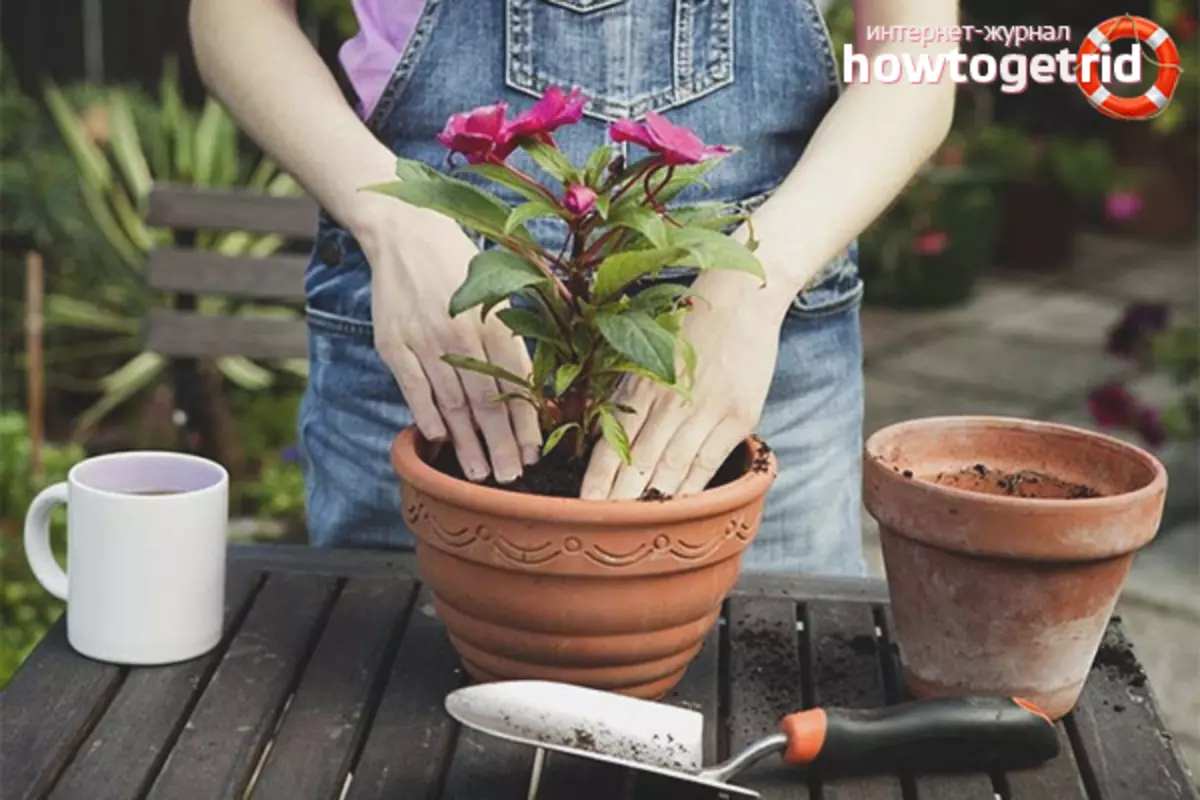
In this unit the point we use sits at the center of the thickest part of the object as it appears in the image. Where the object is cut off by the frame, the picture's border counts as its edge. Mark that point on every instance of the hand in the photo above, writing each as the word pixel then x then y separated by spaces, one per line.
pixel 418 259
pixel 677 446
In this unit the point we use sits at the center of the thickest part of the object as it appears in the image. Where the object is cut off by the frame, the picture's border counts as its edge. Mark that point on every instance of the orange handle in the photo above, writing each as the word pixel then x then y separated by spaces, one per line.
pixel 805 731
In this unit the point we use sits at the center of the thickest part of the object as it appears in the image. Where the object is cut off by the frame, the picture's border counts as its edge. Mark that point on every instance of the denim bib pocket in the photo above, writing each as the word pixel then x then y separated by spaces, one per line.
pixel 838 289
pixel 627 56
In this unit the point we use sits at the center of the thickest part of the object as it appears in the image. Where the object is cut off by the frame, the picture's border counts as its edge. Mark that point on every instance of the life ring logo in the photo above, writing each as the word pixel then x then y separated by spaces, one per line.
pixel 1095 49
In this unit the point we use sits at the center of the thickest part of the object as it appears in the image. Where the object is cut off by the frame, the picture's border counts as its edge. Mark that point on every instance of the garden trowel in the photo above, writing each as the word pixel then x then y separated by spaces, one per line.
pixel 980 734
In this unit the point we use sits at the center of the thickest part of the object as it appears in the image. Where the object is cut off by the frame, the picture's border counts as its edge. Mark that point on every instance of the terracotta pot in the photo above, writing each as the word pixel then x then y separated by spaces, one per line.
pixel 996 594
pixel 612 595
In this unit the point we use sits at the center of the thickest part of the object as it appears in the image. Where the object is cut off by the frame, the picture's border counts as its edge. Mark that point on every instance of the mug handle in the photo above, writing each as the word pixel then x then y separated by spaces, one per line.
pixel 37 540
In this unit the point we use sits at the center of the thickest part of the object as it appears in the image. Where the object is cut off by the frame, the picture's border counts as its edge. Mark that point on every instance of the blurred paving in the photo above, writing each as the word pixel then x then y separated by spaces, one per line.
pixel 1033 346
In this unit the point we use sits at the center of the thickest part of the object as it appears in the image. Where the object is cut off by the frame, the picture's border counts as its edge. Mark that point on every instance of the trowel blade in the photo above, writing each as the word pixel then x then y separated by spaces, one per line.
pixel 639 734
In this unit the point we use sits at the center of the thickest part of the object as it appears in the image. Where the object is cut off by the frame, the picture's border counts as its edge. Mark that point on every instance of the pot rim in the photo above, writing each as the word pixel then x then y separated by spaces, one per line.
pixel 616 513
pixel 890 433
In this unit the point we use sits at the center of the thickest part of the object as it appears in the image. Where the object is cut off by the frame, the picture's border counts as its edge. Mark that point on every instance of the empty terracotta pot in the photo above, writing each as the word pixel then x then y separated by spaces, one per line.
pixel 613 595
pixel 1006 542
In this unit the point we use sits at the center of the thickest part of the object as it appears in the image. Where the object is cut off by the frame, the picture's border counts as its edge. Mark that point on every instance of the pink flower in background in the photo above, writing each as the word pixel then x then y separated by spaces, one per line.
pixel 1122 206
pixel 677 145
pixel 931 243
pixel 1150 426
pixel 579 199
pixel 554 110
pixel 1113 406
pixel 478 134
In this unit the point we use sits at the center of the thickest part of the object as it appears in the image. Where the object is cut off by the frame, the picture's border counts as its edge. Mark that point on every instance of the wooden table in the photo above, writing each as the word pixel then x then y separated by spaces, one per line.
pixel 331 679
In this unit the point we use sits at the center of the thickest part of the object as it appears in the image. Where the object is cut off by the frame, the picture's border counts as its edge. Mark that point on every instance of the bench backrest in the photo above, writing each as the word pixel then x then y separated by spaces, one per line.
pixel 189 272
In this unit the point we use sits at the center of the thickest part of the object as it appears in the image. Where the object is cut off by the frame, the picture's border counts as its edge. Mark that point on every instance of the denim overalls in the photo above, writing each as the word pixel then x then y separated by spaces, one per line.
pixel 758 74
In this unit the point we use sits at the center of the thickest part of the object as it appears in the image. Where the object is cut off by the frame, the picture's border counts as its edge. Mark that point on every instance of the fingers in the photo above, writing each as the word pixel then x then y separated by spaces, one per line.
pixel 410 376
pixel 456 411
pixel 712 454
pixel 664 419
pixel 680 453
pixel 506 350
pixel 605 462
pixel 492 417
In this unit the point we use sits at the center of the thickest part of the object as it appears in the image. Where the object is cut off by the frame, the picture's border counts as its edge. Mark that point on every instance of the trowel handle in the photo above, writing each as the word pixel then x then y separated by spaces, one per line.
pixel 976 734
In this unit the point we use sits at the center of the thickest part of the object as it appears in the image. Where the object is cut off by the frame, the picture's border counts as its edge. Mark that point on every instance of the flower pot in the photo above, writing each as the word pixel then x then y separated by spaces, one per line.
pixel 612 595
pixel 1003 591
pixel 1039 227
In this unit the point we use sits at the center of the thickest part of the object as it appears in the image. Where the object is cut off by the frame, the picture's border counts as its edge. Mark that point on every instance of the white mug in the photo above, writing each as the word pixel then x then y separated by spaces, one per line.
pixel 146 538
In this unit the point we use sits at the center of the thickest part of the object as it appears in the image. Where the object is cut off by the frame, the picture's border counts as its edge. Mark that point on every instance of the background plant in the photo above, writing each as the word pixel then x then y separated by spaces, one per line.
pixel 590 331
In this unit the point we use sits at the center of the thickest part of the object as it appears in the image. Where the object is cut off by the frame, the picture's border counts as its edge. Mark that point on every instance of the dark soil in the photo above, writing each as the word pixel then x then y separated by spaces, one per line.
pixel 1116 659
pixel 559 475
pixel 1024 483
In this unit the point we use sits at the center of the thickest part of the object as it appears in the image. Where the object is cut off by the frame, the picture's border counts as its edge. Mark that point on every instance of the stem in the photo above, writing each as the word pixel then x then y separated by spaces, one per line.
pixel 652 196
pixel 527 180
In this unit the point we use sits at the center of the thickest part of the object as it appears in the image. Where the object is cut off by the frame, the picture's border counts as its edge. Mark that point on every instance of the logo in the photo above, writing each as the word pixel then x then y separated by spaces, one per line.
pixel 1098 44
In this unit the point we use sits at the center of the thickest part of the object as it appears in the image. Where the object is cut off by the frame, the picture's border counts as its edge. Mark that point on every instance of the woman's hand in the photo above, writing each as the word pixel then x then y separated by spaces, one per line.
pixel 677 445
pixel 418 259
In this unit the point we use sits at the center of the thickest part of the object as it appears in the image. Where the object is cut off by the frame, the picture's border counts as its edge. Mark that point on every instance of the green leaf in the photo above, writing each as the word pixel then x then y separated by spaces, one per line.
pixel 603 205
pixel 527 211
pixel 127 148
pixel 262 175
pixel 713 250
pixel 682 178
pixel 620 269
pixel 475 365
pixel 244 373
pixel 581 340
pixel 653 299
pixel 635 335
pixel 207 143
pixel 544 361
pixel 531 325
pixel 564 377
pixel 459 200
pixel 72 312
pixel 643 220
pixel 714 216
pixel 121 384
pixel 411 169
pixel 93 166
pixel 689 364
pixel 550 159
pixel 597 163
pixel 102 215
pixel 671 321
pixel 615 435
pixel 556 436
pixel 492 277
pixel 505 177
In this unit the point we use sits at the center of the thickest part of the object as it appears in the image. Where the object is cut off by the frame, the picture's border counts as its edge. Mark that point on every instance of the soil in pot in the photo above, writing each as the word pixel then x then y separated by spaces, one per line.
pixel 1006 543
pixel 559 475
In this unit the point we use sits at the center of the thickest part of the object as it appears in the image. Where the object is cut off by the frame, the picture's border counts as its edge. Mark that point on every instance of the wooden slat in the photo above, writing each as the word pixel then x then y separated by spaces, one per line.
pixel 410 740
pixel 325 723
pixel 765 683
pixel 220 745
pixel 47 710
pixel 930 787
pixel 197 336
pixel 1059 779
pixel 186 208
pixel 1121 742
pixel 279 277
pixel 307 560
pixel 127 747
pixel 846 672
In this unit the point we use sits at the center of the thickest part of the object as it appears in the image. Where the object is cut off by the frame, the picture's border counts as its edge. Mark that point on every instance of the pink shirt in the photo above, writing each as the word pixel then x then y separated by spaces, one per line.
pixel 370 57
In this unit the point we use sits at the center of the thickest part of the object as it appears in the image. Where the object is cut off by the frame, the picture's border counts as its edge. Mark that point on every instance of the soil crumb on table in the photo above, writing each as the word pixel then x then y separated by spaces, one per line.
pixel 1116 659
pixel 1024 483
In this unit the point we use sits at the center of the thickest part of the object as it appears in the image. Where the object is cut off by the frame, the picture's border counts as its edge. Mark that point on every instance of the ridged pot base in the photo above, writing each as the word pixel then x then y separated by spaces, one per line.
pixel 617 596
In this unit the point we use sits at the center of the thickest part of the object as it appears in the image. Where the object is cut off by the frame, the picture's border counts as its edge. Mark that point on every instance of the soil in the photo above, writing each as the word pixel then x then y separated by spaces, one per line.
pixel 1024 483
pixel 559 475
pixel 1116 659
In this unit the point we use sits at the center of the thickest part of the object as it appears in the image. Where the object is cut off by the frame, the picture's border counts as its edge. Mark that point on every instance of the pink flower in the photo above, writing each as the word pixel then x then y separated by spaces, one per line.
pixel 554 110
pixel 1112 406
pixel 931 243
pixel 1122 206
pixel 579 199
pixel 478 134
pixel 677 145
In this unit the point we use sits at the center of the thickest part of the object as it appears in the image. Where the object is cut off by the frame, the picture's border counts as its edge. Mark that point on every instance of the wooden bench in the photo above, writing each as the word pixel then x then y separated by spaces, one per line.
pixel 184 333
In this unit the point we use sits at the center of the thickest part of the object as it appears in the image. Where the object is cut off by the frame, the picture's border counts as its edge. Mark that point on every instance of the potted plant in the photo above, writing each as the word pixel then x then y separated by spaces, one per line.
pixel 929 248
pixel 1006 542
pixel 617 595
pixel 1049 186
